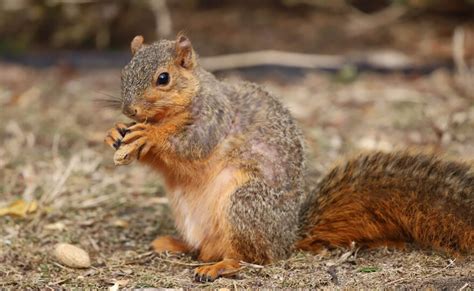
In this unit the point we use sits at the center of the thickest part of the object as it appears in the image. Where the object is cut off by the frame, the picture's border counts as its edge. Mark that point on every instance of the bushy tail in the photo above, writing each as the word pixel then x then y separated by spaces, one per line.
pixel 390 199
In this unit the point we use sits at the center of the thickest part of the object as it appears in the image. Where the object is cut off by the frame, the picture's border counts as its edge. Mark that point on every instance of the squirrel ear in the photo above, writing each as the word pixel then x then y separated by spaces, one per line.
pixel 136 44
pixel 184 52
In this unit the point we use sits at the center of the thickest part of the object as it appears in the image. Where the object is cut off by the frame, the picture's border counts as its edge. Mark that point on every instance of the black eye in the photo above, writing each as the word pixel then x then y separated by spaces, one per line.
pixel 163 79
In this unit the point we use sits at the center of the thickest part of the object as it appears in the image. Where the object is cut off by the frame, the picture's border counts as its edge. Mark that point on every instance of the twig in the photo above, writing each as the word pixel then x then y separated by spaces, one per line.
pixel 94 201
pixel 59 281
pixel 133 262
pixel 146 254
pixel 451 263
pixel 242 263
pixel 60 266
pixel 243 266
pixel 250 265
pixel 140 259
pixel 61 181
pixel 186 264
pixel 464 286
pixel 233 272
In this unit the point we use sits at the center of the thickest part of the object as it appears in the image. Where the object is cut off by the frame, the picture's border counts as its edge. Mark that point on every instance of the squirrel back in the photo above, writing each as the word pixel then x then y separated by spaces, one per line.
pixel 380 199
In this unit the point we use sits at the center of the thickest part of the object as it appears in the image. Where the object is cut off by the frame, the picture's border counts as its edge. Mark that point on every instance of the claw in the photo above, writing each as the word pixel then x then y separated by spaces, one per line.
pixel 117 144
pixel 123 131
pixel 202 278
pixel 210 273
pixel 139 152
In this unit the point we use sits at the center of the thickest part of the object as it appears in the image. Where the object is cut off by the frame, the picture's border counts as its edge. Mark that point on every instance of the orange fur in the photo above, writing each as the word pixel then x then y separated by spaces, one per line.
pixel 376 199
pixel 199 193
pixel 114 134
pixel 169 244
pixel 363 218
pixel 226 267
pixel 201 211
pixel 159 136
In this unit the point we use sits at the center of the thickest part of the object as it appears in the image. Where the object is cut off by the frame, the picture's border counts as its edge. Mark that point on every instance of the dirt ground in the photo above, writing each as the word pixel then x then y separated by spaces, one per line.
pixel 52 152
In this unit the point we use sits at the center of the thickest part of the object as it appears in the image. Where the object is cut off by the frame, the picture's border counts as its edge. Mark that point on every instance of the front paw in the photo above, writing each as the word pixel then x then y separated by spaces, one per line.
pixel 135 144
pixel 170 244
pixel 115 135
pixel 224 268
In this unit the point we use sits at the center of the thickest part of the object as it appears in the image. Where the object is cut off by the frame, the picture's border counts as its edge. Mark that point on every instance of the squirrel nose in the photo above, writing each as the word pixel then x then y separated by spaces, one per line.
pixel 130 111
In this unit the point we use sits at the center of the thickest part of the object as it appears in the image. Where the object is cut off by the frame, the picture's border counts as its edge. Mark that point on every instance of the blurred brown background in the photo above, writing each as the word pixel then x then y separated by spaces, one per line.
pixel 357 75
pixel 421 28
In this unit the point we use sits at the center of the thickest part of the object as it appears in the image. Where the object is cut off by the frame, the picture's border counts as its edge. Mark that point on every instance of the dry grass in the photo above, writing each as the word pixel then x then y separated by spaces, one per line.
pixel 52 152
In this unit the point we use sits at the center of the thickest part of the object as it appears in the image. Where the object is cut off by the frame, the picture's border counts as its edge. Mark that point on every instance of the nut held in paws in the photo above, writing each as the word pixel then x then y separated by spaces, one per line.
pixel 71 256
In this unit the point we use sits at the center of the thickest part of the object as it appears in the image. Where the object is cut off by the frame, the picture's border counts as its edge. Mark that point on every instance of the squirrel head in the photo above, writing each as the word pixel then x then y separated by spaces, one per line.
pixel 160 80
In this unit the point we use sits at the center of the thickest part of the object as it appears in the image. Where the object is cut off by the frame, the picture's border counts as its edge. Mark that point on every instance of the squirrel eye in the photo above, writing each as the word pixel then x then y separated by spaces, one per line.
pixel 163 79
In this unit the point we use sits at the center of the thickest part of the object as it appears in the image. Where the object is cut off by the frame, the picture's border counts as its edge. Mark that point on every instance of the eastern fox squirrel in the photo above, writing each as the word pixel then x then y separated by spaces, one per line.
pixel 232 159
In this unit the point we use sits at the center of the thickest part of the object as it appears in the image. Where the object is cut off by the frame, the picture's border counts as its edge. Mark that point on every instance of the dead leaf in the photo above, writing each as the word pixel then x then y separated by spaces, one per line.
pixel 19 208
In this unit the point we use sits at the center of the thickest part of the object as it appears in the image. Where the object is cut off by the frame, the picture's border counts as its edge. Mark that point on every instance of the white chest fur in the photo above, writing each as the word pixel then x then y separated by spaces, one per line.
pixel 200 210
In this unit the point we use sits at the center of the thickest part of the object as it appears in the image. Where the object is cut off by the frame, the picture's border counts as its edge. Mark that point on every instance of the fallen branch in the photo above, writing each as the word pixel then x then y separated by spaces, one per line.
pixel 383 60
pixel 271 57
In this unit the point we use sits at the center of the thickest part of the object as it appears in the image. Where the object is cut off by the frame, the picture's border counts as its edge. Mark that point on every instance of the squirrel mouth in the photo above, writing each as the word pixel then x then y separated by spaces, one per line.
pixel 145 119
pixel 137 115
pixel 145 115
pixel 142 119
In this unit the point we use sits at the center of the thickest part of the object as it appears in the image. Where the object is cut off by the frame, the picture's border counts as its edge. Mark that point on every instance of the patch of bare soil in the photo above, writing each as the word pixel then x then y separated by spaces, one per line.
pixel 52 152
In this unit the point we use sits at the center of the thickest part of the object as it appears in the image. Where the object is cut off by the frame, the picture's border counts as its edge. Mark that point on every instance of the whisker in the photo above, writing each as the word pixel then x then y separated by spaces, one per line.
pixel 108 100
pixel 111 103
pixel 109 95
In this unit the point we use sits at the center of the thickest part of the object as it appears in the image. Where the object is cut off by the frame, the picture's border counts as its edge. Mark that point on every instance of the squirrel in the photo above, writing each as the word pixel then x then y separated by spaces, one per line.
pixel 232 158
